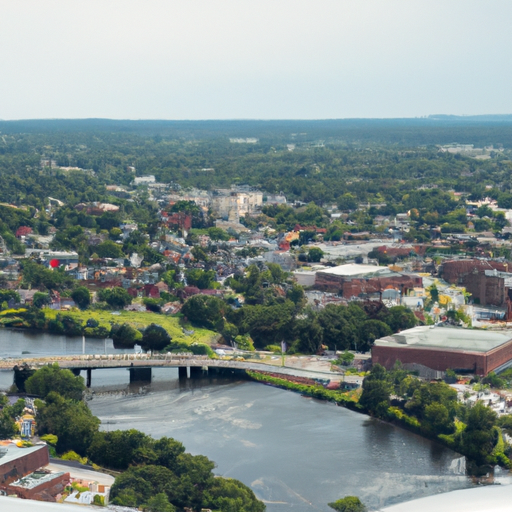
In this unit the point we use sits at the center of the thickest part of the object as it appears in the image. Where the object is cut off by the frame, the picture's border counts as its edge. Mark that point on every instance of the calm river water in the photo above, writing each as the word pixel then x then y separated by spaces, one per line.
pixel 294 452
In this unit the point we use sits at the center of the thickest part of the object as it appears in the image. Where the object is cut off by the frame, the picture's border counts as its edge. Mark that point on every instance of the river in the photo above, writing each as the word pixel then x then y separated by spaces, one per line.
pixel 294 452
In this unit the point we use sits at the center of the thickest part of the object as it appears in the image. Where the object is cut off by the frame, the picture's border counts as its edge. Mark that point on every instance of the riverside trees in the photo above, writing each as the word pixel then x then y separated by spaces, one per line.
pixel 433 410
pixel 158 473
pixel 51 378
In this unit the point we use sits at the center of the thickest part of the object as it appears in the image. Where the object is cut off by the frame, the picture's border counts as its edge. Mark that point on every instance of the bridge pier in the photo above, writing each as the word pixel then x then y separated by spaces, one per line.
pixel 140 374
pixel 76 371
pixel 195 371
pixel 182 372
pixel 89 377
pixel 21 374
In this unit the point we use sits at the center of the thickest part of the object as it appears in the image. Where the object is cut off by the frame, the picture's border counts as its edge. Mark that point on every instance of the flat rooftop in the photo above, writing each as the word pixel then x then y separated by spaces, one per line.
pixel 35 479
pixel 12 452
pixel 447 338
pixel 355 270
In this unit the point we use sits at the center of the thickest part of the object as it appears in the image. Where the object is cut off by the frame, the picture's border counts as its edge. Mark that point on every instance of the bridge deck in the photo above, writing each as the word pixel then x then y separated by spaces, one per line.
pixel 126 361
pixel 92 362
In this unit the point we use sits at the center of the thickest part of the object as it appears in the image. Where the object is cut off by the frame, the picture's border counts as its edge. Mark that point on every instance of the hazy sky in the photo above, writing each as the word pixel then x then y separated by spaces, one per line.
pixel 264 59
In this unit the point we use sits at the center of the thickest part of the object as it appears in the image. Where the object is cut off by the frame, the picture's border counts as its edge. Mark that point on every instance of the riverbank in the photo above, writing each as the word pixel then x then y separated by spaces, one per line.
pixel 102 320
pixel 393 415
pixel 348 399
pixel 292 451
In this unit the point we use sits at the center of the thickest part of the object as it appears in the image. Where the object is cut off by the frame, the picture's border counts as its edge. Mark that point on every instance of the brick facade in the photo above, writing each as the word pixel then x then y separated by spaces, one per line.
pixel 44 492
pixel 15 469
pixel 355 287
pixel 480 363
pixel 471 275
pixel 180 220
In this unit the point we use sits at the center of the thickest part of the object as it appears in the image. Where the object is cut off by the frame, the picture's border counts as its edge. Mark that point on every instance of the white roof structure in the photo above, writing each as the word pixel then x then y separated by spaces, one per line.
pixel 447 338
pixel 17 505
pixel 489 498
pixel 353 269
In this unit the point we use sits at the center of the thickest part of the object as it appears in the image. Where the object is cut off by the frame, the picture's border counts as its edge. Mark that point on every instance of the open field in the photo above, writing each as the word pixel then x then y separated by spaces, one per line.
pixel 172 324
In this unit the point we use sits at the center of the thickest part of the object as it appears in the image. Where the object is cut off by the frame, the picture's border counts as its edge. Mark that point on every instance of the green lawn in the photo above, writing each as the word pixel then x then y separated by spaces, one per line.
pixel 172 324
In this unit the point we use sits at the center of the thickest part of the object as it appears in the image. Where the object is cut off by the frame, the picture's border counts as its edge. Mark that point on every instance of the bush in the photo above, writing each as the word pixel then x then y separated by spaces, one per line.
pixel 244 343
pixel 198 349
pixel 98 500
pixel 71 455
pixel 348 504
pixel 96 332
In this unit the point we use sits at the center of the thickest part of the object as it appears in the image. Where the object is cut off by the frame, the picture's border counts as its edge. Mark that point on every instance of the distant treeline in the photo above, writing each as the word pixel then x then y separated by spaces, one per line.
pixel 478 130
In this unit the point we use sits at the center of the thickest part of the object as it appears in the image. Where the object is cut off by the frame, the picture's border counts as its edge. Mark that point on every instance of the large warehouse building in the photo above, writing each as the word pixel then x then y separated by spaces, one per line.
pixel 439 348
pixel 365 281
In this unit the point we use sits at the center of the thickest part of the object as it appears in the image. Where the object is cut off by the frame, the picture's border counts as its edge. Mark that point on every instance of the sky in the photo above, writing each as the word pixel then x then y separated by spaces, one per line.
pixel 254 59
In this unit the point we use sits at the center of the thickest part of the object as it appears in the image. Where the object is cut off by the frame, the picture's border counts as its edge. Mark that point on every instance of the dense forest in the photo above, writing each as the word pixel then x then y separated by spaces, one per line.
pixel 320 161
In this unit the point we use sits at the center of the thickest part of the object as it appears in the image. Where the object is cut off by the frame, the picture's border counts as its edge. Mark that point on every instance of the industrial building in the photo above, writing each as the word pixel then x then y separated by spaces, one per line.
pixel 365 281
pixel 21 474
pixel 440 348
pixel 489 282
pixel 18 462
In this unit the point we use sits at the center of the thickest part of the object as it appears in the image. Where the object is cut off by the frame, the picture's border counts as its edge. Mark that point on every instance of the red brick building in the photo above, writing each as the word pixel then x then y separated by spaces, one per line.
pixel 364 280
pixel 16 463
pixel 40 486
pixel 441 348
pixel 179 220
pixel 484 279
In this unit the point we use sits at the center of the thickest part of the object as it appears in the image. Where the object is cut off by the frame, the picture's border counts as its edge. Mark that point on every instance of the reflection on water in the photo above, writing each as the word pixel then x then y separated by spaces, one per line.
pixel 295 452
pixel 19 343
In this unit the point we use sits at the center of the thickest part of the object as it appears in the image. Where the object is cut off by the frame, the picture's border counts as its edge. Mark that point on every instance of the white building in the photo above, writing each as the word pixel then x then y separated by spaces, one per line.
pixel 144 180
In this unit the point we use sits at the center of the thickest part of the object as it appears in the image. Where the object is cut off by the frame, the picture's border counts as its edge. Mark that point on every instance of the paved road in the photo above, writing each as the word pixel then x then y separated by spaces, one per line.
pixel 82 473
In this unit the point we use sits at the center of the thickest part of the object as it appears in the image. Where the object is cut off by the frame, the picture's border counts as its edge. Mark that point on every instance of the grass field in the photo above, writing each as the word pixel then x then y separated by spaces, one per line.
pixel 172 324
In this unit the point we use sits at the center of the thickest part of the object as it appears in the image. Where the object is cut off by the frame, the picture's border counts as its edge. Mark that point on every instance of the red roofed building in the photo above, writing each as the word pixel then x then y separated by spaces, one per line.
pixel 180 220
pixel 23 231
pixel 152 291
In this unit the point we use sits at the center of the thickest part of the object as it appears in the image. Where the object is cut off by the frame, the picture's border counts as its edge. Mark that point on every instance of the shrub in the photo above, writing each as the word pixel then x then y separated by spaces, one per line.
pixel 71 455
pixel 98 500
pixel 244 343
pixel 348 504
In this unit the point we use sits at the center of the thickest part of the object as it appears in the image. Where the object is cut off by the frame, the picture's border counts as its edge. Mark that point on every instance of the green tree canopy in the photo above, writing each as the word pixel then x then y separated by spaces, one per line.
pixel 8 427
pixel 125 336
pixel 70 420
pixel 159 503
pixel 52 378
pixel 82 297
pixel 205 310
pixel 41 299
pixel 155 337
pixel 315 254
pixel 116 297
pixel 348 504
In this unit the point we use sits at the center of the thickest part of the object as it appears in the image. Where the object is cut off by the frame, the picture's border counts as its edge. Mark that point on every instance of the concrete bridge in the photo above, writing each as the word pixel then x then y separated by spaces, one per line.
pixel 139 365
